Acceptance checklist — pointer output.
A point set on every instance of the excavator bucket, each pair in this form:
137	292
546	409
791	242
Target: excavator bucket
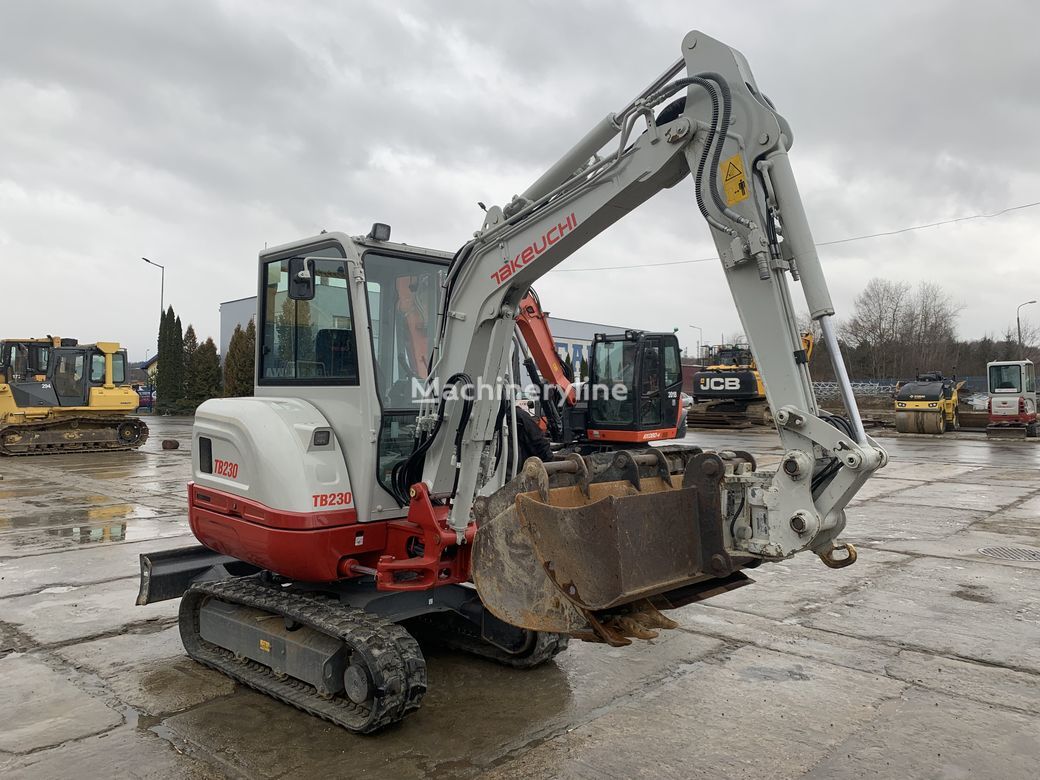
594	547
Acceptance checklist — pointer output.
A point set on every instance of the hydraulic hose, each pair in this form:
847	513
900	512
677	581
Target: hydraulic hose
406	472
709	145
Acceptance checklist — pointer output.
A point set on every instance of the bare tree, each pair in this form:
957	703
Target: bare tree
928	331
874	330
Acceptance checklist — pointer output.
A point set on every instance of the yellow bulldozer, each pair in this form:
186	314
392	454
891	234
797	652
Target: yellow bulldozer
57	395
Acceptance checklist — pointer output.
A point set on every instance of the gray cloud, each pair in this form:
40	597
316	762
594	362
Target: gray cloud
196	132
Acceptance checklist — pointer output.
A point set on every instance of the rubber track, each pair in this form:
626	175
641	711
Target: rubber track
393	657
459	634
93	446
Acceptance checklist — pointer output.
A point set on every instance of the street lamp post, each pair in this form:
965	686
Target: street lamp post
700	338
162	283
1018	320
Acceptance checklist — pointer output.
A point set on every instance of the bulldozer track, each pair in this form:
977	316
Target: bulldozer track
390	653
33	439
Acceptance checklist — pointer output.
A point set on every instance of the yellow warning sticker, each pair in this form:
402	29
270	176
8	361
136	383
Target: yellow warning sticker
734	180
265	645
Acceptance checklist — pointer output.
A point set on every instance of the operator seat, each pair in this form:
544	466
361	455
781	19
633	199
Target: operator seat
334	349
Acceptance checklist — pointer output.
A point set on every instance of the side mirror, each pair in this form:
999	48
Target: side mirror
301	279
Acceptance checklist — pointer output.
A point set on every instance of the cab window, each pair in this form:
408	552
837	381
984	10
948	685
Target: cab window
1005	379
308	341
403	300
97	367
613	366
672	369
119	368
68	374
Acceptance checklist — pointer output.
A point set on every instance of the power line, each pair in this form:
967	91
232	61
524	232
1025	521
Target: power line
864	237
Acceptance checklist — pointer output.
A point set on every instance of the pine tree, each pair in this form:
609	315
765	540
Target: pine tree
177	350
238	362
205	372
250	354
164	386
192	390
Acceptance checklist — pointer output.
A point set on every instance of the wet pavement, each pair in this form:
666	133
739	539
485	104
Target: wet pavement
922	660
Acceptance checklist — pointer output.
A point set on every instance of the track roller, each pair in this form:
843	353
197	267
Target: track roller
335	662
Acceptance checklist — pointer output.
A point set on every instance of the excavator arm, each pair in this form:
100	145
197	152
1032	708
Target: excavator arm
533	325
704	118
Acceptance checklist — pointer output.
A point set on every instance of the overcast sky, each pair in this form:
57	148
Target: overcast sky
194	133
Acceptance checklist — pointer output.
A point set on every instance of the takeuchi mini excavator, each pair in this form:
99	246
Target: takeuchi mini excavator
371	491
1012	399
59	396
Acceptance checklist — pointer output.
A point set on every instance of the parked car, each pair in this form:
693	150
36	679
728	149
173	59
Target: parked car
147	397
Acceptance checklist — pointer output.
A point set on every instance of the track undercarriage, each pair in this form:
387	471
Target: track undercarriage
82	433
335	650
729	413
347	651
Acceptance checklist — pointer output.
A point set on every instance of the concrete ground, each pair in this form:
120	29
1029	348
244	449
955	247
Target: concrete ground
921	661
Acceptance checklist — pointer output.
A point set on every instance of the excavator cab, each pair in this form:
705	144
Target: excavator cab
634	387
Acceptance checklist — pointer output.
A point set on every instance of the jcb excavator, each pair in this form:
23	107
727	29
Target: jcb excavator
729	391
339	511
57	395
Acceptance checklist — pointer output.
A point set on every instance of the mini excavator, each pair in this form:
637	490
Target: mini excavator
370	492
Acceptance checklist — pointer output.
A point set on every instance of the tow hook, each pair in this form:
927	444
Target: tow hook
839	563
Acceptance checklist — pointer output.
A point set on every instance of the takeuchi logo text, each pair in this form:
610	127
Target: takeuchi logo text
534	249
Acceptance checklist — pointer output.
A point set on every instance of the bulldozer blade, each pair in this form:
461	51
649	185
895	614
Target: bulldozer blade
1007	432
591	558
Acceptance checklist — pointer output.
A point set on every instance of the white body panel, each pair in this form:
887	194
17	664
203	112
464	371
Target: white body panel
263	451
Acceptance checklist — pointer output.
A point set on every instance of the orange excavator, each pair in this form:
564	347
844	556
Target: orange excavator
633	393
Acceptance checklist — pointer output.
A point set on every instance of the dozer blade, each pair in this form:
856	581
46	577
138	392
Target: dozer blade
1006	432
594	557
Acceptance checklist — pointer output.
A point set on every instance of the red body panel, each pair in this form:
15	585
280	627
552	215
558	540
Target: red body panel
413	553
1022	418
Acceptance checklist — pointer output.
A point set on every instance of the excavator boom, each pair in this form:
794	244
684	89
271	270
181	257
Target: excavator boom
745	189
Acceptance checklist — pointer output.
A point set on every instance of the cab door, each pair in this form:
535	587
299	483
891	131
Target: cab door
660	382
69	377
